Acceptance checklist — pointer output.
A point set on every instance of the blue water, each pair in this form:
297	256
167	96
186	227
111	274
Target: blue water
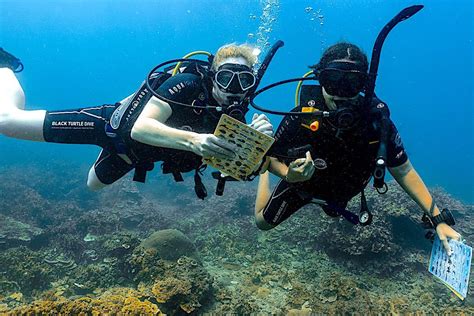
83	53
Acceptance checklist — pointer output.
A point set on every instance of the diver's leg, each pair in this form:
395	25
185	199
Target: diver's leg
14	121
108	168
263	196
93	182
285	200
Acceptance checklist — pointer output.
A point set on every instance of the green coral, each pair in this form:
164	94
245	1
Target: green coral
170	244
25	270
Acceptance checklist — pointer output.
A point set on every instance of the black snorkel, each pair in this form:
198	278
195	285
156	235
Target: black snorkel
265	63
381	110
10	61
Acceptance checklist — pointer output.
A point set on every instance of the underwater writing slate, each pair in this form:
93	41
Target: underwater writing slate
452	270
251	147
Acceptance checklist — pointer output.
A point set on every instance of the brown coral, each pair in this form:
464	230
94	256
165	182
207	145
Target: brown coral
121	301
170	288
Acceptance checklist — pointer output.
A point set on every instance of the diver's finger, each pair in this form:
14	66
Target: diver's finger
454	235
220	149
262	117
296	163
447	247
259	124
222	143
217	152
258	118
308	162
254	118
299	162
265	128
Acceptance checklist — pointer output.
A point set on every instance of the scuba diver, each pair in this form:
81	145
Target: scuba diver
346	137
142	128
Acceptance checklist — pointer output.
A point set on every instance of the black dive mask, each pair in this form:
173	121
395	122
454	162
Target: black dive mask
343	79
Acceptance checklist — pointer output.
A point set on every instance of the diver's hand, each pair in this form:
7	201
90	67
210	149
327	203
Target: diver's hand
209	145
301	169
444	232
262	124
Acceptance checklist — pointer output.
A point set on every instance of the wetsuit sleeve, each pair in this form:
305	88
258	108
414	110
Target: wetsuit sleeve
396	154
181	88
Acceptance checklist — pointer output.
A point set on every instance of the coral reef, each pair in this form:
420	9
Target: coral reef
181	285
15	233
170	244
121	301
25	271
130	251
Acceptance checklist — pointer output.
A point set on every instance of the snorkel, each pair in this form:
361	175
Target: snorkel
380	161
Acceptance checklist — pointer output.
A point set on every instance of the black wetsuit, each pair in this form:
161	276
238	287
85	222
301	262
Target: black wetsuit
344	163
109	126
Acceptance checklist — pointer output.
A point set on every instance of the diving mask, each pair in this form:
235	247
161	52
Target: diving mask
234	78
343	79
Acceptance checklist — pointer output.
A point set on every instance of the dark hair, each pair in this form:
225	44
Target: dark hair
342	50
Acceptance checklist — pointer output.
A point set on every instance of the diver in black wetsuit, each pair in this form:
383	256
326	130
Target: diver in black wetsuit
142	129
340	149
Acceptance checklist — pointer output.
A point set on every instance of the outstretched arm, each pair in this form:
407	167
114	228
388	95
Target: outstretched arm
14	120
412	183
150	128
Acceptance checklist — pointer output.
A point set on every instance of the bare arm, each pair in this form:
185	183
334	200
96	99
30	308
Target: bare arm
150	129
412	183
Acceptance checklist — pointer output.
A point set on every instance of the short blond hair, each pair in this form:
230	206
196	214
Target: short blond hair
245	51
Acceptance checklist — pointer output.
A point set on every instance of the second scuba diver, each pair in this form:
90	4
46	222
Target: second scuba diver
341	149
142	129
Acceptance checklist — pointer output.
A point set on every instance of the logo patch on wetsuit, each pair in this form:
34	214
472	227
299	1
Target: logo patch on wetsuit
131	105
176	88
398	140
399	154
76	124
117	116
320	164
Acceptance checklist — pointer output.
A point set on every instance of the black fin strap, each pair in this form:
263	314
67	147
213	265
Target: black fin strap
363	202
177	176
199	187
141	171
